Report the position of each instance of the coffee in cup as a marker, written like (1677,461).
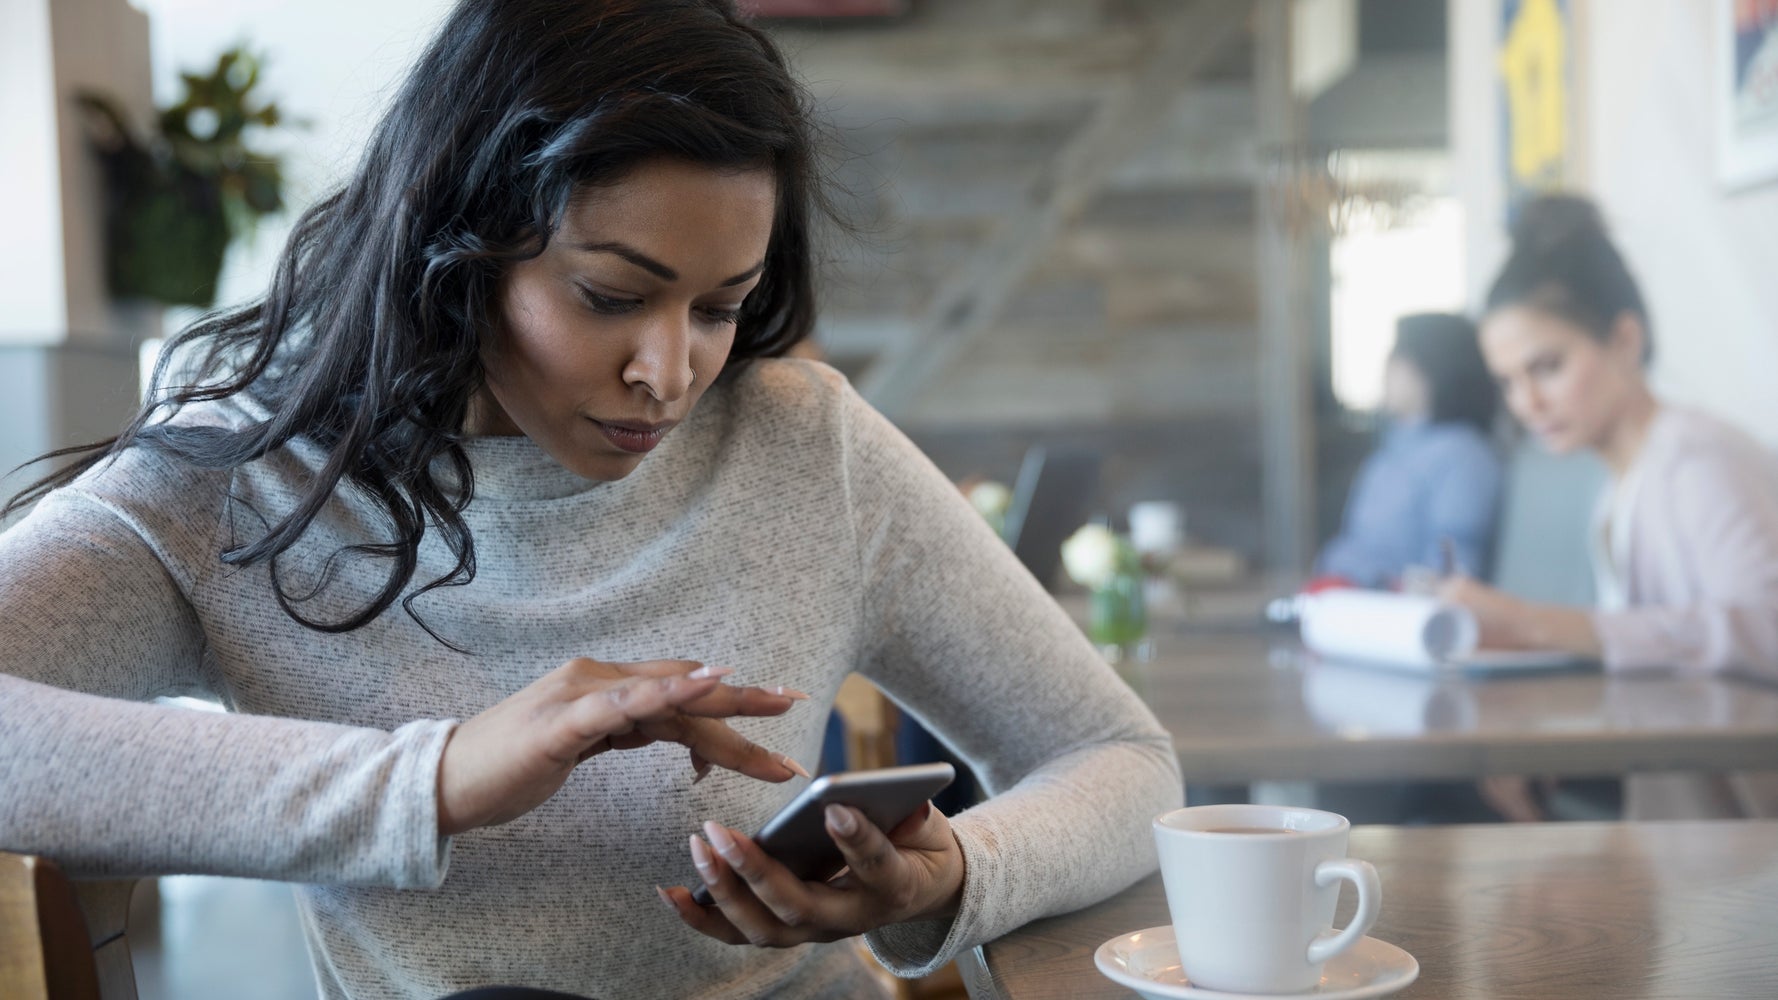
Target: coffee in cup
(1252,891)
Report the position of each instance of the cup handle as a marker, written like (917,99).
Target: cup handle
(1370,898)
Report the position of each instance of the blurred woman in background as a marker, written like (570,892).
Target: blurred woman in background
(1429,495)
(1685,536)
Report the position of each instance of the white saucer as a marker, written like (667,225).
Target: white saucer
(1147,961)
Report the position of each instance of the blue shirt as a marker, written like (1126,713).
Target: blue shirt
(1424,483)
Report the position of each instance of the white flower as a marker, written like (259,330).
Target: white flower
(1090,556)
(990,499)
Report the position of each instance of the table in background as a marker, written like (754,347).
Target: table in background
(1249,707)
(1583,911)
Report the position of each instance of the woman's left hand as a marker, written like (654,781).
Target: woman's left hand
(914,872)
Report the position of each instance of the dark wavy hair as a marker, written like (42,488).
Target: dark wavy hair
(1443,348)
(368,341)
(1563,263)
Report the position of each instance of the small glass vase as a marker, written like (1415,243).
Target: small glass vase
(1118,625)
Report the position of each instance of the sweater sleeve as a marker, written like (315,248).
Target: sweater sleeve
(961,636)
(92,623)
(1725,522)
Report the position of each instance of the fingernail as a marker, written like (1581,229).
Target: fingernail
(709,671)
(666,899)
(724,844)
(795,768)
(700,856)
(791,693)
(840,818)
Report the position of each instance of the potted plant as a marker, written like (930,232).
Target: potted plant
(1109,567)
(175,198)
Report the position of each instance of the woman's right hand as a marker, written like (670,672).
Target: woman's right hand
(1507,622)
(511,758)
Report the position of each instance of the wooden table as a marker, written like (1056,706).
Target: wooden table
(1250,707)
(1611,911)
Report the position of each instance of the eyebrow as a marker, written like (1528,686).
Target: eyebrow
(657,268)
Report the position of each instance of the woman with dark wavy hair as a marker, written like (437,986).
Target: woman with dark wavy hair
(509,441)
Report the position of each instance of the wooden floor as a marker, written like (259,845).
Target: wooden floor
(194,938)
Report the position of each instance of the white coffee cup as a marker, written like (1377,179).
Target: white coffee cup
(1252,891)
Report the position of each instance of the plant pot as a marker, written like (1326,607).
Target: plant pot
(167,233)
(1117,623)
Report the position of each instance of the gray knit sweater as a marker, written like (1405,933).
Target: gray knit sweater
(785,529)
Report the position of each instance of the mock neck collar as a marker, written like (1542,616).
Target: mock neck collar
(513,468)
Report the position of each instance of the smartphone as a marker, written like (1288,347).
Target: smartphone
(797,836)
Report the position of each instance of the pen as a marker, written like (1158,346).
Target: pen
(1447,553)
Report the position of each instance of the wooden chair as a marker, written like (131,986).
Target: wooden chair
(870,724)
(871,719)
(61,940)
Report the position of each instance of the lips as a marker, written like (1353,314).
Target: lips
(634,437)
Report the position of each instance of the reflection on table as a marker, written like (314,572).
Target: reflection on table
(1576,910)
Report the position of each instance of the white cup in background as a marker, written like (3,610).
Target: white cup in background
(1252,891)
(1157,527)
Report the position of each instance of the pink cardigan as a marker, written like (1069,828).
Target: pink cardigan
(1701,579)
(1702,570)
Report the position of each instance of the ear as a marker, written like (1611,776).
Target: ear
(1628,339)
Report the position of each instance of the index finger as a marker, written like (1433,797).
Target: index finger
(727,700)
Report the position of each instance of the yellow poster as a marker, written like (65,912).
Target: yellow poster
(1535,74)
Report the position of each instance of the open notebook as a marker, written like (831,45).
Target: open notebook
(1410,632)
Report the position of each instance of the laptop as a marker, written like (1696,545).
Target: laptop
(1051,499)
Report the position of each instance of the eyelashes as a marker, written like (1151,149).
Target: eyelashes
(606,305)
(1540,367)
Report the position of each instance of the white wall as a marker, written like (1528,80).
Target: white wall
(1474,34)
(100,45)
(34,311)
(1706,257)
(52,273)
(333,64)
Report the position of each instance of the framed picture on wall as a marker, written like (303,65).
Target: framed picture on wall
(1535,62)
(1747,88)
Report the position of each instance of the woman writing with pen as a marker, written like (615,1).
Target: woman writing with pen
(1685,537)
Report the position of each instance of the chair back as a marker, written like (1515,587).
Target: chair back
(59,942)
(870,719)
(1541,549)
